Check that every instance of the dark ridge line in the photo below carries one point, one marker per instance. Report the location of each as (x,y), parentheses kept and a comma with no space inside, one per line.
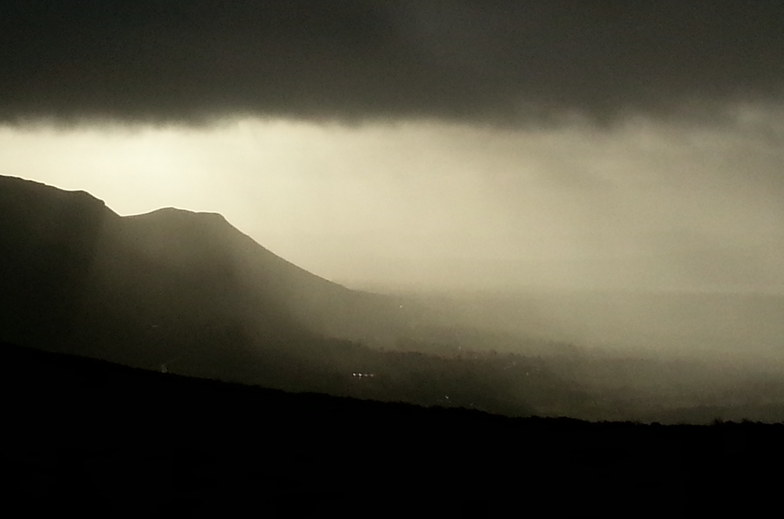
(226,388)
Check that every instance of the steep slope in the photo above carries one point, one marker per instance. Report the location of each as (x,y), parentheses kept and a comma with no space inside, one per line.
(48,241)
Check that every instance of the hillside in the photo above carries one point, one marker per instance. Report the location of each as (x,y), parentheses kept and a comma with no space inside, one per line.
(168,287)
(112,441)
(188,293)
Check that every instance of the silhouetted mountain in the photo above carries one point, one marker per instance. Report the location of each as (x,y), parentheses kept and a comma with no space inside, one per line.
(170,286)
(188,293)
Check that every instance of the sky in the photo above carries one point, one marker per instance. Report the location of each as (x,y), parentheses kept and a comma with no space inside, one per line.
(423,144)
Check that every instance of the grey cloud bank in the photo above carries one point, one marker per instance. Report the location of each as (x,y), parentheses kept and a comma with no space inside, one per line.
(504,62)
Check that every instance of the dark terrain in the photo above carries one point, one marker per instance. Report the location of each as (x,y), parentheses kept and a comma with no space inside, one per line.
(101,439)
(168,365)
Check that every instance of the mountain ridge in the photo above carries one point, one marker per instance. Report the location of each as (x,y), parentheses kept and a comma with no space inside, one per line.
(81,263)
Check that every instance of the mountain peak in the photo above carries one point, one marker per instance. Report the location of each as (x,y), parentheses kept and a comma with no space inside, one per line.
(185,219)
(177,212)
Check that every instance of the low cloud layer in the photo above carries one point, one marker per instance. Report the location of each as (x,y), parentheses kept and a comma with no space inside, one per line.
(506,62)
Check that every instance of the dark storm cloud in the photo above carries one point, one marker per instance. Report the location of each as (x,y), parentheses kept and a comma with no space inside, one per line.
(482,60)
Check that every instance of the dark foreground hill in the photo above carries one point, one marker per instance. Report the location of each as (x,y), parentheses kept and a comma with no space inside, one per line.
(106,440)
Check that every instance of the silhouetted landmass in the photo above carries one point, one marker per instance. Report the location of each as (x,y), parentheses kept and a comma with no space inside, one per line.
(81,276)
(101,439)
(187,293)
(93,307)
